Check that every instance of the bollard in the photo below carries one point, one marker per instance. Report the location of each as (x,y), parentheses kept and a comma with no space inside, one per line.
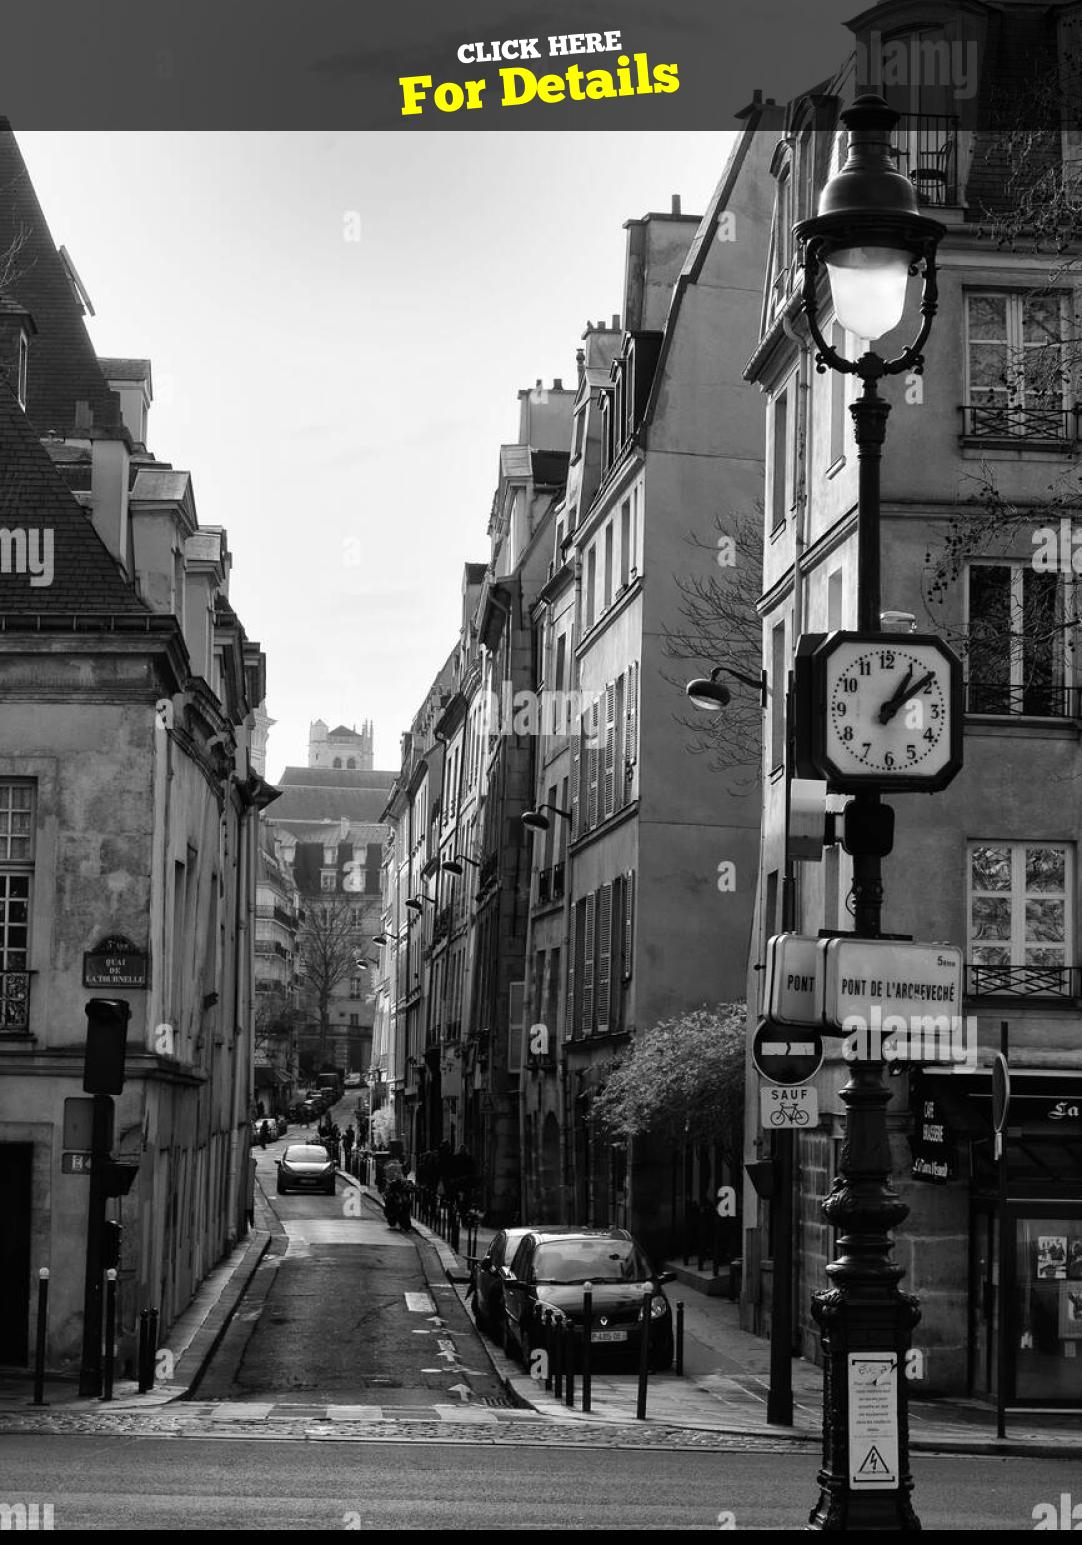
(39,1348)
(644,1350)
(680,1336)
(152,1345)
(569,1361)
(456,1238)
(587,1332)
(109,1361)
(557,1358)
(144,1351)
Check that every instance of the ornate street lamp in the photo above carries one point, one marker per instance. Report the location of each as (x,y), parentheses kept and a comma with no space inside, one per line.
(872,238)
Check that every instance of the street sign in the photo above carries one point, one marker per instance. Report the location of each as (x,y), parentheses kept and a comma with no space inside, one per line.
(788,1106)
(75,1164)
(873,1420)
(906,980)
(792,964)
(786,1056)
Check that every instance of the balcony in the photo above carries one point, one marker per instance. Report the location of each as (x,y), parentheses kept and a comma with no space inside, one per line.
(441,928)
(1037,700)
(1060,982)
(925,147)
(14,1002)
(1017,424)
(550,884)
(490,868)
(544,882)
(558,871)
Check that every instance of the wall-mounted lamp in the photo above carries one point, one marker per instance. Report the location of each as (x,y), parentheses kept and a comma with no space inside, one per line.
(453,865)
(416,903)
(536,820)
(381,938)
(711,694)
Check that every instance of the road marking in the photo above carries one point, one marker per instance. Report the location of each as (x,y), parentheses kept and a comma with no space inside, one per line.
(460,1414)
(354,1413)
(241,1410)
(419,1303)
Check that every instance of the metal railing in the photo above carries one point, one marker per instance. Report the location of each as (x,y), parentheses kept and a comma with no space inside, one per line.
(925,147)
(1037,700)
(1006,421)
(1022,981)
(490,867)
(544,882)
(558,872)
(14,1002)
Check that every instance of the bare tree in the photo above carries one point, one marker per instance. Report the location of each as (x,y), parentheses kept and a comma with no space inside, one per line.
(721,626)
(327,948)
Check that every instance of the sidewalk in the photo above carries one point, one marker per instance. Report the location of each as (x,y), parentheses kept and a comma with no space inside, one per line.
(725,1384)
(723,1387)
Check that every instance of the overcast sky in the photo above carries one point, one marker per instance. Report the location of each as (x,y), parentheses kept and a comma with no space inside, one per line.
(336,398)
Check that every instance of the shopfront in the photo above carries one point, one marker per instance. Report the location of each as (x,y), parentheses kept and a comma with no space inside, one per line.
(1025,1254)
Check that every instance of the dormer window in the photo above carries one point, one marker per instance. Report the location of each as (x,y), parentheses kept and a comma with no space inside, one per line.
(24,363)
(327,880)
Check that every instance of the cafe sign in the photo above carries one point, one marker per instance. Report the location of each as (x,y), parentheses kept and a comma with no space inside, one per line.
(115,962)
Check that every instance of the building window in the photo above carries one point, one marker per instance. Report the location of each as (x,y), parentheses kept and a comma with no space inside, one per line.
(356,986)
(337,762)
(837,389)
(591,584)
(16,873)
(1020,917)
(24,359)
(777,696)
(327,880)
(779,462)
(1016,371)
(625,542)
(608,565)
(1016,622)
(561,664)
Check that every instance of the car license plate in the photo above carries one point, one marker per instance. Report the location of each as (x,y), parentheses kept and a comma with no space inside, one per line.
(609,1335)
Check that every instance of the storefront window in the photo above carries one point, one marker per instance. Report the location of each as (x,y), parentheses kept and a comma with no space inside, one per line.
(1048,1326)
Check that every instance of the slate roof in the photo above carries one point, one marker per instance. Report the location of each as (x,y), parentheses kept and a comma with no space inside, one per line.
(63,368)
(124,369)
(334,778)
(329,793)
(86,578)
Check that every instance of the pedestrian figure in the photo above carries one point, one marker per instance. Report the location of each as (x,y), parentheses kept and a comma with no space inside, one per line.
(445,1164)
(464,1178)
(264,1133)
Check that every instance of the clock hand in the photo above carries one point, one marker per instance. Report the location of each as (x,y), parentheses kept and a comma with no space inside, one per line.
(896,699)
(904,694)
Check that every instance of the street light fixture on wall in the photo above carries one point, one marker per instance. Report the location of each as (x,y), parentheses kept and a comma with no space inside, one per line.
(453,865)
(417,903)
(713,695)
(536,820)
(872,238)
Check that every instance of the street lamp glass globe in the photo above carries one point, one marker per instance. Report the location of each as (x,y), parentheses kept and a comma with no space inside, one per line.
(869,287)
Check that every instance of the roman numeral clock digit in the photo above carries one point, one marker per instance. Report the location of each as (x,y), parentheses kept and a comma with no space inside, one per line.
(887,711)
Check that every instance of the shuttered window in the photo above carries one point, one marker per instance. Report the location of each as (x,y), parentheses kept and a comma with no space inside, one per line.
(588,967)
(629,924)
(604,957)
(593,764)
(609,790)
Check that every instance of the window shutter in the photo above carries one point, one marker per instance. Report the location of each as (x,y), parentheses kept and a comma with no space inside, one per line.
(629,923)
(631,745)
(593,768)
(619,750)
(604,949)
(610,750)
(578,748)
(588,968)
(574,974)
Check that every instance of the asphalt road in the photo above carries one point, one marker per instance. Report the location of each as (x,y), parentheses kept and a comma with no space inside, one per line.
(340,1312)
(145,1483)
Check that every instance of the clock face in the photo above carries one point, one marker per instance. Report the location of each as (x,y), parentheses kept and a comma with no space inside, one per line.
(889,705)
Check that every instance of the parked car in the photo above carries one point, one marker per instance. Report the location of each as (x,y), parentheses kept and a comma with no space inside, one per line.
(551,1268)
(488,1274)
(305,1167)
(353,1080)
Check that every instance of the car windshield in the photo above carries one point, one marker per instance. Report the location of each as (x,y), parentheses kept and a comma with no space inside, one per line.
(306,1155)
(590,1260)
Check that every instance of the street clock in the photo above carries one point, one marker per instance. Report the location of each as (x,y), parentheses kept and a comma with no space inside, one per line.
(887,711)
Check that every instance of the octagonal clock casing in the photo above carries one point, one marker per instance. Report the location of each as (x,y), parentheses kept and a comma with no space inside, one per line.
(859,677)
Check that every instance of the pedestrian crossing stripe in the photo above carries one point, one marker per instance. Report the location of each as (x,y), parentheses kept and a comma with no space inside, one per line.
(873,1464)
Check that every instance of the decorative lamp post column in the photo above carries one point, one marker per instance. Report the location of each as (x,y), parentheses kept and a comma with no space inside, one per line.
(871,236)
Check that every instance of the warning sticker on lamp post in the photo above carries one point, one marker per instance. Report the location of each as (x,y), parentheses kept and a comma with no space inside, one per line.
(873,1419)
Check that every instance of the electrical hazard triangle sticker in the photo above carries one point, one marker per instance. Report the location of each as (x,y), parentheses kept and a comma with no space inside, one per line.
(873,1464)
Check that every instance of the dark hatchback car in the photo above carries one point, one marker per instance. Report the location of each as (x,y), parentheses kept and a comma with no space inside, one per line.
(489,1273)
(551,1269)
(305,1167)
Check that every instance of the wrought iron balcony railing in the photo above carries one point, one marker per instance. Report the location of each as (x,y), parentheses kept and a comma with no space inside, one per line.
(14,1002)
(488,871)
(1004,421)
(544,883)
(925,147)
(1037,700)
(558,871)
(1022,981)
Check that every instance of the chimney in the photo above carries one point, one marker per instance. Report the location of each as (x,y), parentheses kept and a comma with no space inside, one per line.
(580,363)
(109,464)
(616,321)
(557,383)
(676,203)
(16,329)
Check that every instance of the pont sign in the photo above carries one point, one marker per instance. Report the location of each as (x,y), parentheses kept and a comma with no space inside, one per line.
(785,1054)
